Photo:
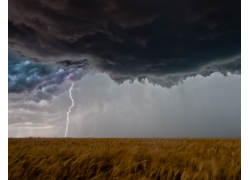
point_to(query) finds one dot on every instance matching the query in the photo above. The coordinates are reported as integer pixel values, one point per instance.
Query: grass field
(68, 158)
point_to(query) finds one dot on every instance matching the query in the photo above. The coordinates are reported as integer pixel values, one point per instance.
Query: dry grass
(41, 158)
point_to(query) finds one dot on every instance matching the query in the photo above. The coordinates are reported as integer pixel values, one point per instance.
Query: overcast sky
(139, 68)
(200, 107)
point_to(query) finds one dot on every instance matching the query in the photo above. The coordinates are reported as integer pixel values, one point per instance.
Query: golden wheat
(68, 158)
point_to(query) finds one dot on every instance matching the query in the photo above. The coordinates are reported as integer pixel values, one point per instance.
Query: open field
(68, 158)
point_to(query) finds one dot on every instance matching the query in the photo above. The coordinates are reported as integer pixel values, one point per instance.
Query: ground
(114, 158)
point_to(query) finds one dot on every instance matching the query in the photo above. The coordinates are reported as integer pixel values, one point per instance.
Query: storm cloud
(163, 41)
(43, 81)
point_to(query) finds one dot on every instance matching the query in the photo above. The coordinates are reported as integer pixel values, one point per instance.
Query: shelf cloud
(164, 41)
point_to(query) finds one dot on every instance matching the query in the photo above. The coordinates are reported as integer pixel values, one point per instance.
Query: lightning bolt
(72, 84)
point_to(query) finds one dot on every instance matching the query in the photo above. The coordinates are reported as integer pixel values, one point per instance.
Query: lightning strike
(69, 108)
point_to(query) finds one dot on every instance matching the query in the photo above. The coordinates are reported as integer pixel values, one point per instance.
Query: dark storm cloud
(42, 80)
(165, 41)
(169, 80)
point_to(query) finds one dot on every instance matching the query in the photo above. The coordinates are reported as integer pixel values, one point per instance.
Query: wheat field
(170, 159)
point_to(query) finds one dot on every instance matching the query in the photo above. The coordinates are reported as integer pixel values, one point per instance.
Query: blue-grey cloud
(41, 80)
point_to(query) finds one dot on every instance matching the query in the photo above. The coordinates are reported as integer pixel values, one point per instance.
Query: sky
(139, 68)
